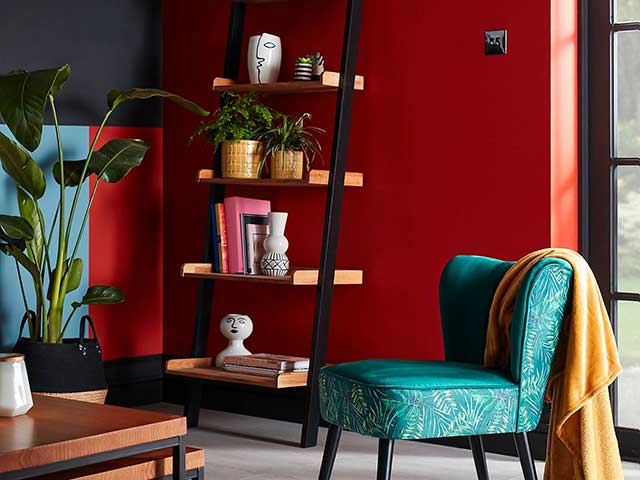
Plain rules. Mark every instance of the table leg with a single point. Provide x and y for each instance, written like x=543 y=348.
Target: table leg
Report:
x=179 y=455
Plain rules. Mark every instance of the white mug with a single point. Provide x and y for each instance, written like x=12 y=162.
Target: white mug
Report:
x=15 y=393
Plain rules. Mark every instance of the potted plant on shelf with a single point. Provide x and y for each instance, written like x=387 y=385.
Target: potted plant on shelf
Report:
x=56 y=364
x=234 y=129
x=290 y=146
x=303 y=69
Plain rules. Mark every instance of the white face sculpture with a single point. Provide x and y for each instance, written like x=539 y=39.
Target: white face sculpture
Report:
x=236 y=326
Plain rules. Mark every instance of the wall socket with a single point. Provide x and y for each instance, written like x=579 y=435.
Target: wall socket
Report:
x=495 y=42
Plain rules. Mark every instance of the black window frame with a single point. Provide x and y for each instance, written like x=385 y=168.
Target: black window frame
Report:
x=598 y=163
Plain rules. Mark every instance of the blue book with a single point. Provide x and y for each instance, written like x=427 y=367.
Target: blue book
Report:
x=215 y=240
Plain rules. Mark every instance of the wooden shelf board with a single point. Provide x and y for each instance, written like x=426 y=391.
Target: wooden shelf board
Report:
x=316 y=178
x=204 y=369
x=296 y=276
x=328 y=83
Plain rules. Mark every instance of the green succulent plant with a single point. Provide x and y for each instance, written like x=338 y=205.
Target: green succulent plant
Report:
x=55 y=272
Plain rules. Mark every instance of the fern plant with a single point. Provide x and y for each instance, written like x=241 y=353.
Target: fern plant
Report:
x=55 y=272
x=240 y=117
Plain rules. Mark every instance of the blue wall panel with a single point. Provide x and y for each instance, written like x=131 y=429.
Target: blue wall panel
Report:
x=76 y=144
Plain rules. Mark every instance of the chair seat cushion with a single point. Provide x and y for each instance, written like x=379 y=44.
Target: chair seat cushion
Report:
x=407 y=399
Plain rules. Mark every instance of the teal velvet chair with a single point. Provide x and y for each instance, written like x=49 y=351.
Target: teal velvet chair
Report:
x=416 y=399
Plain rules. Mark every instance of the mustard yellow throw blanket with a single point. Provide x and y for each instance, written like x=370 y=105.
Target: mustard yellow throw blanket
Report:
x=582 y=442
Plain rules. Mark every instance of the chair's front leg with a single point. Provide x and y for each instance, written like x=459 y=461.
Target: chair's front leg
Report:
x=330 y=450
x=479 y=458
x=524 y=453
x=385 y=458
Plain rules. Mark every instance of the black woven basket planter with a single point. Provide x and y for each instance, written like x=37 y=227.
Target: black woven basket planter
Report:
x=71 y=369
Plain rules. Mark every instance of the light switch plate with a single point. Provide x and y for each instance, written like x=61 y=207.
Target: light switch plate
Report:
x=495 y=42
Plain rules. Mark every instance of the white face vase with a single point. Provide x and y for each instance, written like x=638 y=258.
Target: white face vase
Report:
x=236 y=326
x=263 y=58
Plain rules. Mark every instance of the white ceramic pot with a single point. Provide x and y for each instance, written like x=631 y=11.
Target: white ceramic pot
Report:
x=15 y=394
x=264 y=56
x=275 y=262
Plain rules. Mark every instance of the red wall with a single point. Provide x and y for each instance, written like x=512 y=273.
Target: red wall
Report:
x=125 y=250
x=455 y=147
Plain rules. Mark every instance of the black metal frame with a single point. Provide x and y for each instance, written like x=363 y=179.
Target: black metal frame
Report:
x=333 y=213
x=193 y=474
x=598 y=200
x=177 y=443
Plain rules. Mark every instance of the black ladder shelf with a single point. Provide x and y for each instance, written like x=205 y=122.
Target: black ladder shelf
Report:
x=198 y=369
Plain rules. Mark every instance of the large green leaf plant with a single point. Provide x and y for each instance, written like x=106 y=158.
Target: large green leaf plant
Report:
x=27 y=238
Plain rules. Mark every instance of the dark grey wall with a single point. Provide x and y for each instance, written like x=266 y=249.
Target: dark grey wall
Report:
x=108 y=43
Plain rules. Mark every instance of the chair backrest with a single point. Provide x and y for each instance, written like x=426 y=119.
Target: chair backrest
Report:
x=467 y=287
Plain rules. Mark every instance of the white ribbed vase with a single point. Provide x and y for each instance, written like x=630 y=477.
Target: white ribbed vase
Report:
x=15 y=394
x=275 y=262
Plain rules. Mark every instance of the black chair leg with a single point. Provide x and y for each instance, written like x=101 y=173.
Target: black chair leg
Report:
x=385 y=458
x=524 y=453
x=479 y=458
x=330 y=450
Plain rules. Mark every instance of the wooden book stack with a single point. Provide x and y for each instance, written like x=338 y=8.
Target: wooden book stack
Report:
x=265 y=364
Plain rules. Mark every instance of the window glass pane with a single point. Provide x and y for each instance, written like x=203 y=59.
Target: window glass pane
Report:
x=627 y=72
x=627 y=11
x=628 y=187
x=629 y=380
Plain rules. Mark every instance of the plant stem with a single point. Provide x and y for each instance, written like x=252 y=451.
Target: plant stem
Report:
x=85 y=219
x=46 y=240
x=26 y=305
x=57 y=296
x=66 y=324
x=85 y=168
x=44 y=328
x=24 y=295
x=53 y=226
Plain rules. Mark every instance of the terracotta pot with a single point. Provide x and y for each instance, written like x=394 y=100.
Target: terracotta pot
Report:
x=287 y=165
x=241 y=159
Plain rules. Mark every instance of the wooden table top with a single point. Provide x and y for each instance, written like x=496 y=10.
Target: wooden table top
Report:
x=57 y=429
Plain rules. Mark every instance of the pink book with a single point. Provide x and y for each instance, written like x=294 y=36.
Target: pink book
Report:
x=233 y=208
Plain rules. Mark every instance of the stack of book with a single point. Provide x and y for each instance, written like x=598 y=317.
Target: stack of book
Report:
x=265 y=364
x=240 y=226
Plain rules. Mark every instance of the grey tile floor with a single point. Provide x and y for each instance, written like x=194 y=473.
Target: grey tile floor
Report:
x=247 y=448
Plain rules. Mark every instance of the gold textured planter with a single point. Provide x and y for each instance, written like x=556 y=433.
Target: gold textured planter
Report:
x=241 y=159
x=287 y=165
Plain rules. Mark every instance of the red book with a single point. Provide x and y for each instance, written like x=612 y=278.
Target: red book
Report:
x=234 y=207
x=224 y=249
